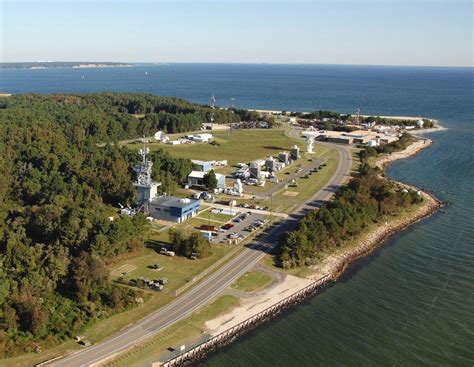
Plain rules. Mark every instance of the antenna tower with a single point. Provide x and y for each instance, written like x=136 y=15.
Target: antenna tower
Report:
x=213 y=107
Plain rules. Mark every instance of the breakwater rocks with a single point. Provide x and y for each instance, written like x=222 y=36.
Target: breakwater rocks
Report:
x=202 y=350
x=338 y=266
x=377 y=237
x=373 y=240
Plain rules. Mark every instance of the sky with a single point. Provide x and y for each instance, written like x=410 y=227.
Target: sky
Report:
x=377 y=32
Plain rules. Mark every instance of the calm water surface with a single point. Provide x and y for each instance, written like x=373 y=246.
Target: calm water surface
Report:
x=410 y=304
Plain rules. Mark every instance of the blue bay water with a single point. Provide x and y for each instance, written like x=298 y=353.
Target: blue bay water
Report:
x=411 y=303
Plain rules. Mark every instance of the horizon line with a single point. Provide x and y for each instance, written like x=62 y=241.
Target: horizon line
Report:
x=242 y=63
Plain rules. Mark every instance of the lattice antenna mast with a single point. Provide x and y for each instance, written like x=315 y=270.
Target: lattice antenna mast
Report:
x=358 y=115
x=144 y=170
x=213 y=107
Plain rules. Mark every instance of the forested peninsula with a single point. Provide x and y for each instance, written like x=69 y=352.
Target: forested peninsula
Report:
x=58 y=188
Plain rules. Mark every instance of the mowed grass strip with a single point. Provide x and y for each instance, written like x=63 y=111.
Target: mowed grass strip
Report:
x=252 y=281
x=183 y=332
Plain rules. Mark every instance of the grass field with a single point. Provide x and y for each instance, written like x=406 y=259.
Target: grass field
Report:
x=207 y=214
x=179 y=270
x=235 y=146
x=184 y=332
x=252 y=281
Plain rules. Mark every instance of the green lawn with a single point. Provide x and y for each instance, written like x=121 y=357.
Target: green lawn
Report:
x=179 y=270
x=307 y=187
x=252 y=281
x=183 y=332
x=235 y=146
x=207 y=214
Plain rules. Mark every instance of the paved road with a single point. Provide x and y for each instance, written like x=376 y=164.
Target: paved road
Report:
x=209 y=288
x=288 y=178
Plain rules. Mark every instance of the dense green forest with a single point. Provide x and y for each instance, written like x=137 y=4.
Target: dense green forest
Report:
x=114 y=116
x=365 y=200
x=58 y=188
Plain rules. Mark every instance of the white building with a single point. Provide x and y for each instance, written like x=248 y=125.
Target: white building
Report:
x=195 y=178
x=372 y=143
x=201 y=138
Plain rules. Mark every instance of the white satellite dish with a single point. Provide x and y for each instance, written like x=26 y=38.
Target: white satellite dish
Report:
x=159 y=135
x=310 y=134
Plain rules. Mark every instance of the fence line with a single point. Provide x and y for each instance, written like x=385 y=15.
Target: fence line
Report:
x=206 y=271
x=201 y=350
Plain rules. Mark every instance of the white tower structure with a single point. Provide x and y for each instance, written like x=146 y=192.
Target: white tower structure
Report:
x=310 y=134
x=213 y=106
x=238 y=186
x=147 y=189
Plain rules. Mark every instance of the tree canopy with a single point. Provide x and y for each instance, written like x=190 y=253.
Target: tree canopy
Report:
x=59 y=191
x=365 y=200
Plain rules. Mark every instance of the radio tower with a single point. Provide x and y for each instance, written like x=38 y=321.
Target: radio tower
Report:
x=213 y=107
x=358 y=115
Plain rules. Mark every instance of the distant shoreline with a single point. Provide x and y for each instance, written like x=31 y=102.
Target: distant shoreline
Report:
x=62 y=65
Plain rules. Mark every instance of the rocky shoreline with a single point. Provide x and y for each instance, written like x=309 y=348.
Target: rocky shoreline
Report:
x=377 y=237
x=339 y=263
x=268 y=303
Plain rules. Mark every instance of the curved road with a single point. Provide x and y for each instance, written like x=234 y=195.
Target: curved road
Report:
x=210 y=287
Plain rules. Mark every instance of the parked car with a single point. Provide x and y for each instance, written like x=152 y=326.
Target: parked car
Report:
x=155 y=266
x=85 y=343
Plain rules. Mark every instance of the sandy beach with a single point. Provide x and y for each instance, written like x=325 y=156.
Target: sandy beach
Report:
x=335 y=264
x=411 y=150
x=436 y=129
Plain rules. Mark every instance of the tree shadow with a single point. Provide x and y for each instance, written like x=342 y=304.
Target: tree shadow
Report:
x=155 y=245
x=273 y=147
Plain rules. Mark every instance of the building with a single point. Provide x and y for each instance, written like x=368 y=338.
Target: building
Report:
x=200 y=138
x=204 y=166
x=295 y=152
x=270 y=164
x=420 y=123
x=195 y=178
x=372 y=143
x=255 y=170
x=284 y=157
x=173 y=209
x=386 y=139
x=279 y=166
x=243 y=172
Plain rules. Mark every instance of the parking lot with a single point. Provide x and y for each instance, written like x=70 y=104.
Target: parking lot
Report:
x=240 y=227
